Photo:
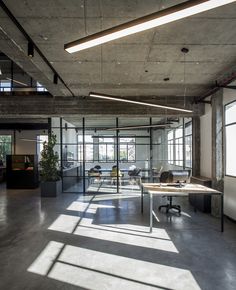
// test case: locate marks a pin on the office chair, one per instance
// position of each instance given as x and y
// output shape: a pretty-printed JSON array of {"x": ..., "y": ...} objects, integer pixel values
[
  {"x": 114, "y": 174},
  {"x": 173, "y": 176},
  {"x": 134, "y": 175}
]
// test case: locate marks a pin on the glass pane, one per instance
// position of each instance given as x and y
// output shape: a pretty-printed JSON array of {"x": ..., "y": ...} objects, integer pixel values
[
  {"x": 188, "y": 129},
  {"x": 170, "y": 135},
  {"x": 5, "y": 147},
  {"x": 179, "y": 132},
  {"x": 230, "y": 113},
  {"x": 40, "y": 141},
  {"x": 230, "y": 150},
  {"x": 188, "y": 151}
]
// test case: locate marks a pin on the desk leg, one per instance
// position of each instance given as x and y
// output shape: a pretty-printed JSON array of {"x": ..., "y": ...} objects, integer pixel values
[
  {"x": 142, "y": 200},
  {"x": 151, "y": 209},
  {"x": 222, "y": 212}
]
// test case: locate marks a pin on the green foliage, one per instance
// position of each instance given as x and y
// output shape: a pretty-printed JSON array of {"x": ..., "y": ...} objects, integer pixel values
[
  {"x": 49, "y": 161},
  {"x": 5, "y": 146}
]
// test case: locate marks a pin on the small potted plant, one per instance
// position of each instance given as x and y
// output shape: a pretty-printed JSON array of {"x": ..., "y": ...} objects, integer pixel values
[{"x": 50, "y": 177}]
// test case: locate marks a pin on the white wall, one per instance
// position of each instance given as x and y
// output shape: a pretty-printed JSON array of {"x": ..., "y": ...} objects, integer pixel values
[
  {"x": 206, "y": 156},
  {"x": 229, "y": 182},
  {"x": 206, "y": 145},
  {"x": 27, "y": 146},
  {"x": 24, "y": 146}
]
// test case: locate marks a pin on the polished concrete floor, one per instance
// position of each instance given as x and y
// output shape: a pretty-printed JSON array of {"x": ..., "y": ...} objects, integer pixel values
[{"x": 102, "y": 242}]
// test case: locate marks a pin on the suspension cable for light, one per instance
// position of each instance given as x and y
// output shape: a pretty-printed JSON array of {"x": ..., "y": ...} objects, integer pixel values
[
  {"x": 159, "y": 18},
  {"x": 107, "y": 97}
]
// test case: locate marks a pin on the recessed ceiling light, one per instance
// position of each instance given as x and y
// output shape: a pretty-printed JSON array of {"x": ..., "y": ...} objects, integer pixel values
[
  {"x": 107, "y": 97},
  {"x": 180, "y": 11}
]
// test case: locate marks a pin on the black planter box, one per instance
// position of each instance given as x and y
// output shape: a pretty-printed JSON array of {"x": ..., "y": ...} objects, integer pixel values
[{"x": 51, "y": 188}]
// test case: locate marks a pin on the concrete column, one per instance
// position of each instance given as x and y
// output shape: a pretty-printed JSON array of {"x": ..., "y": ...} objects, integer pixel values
[
  {"x": 217, "y": 150},
  {"x": 196, "y": 146}
]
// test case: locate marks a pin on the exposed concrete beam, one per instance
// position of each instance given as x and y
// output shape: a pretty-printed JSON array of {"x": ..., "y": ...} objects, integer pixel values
[
  {"x": 44, "y": 106},
  {"x": 14, "y": 45}
]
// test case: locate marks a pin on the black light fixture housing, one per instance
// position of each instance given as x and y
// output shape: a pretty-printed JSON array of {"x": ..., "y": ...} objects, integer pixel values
[
  {"x": 55, "y": 79},
  {"x": 30, "y": 49}
]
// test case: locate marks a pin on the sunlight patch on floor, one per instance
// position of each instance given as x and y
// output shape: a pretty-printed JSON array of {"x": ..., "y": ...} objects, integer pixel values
[
  {"x": 46, "y": 258},
  {"x": 96, "y": 270},
  {"x": 103, "y": 197},
  {"x": 87, "y": 207},
  {"x": 65, "y": 223},
  {"x": 153, "y": 240}
]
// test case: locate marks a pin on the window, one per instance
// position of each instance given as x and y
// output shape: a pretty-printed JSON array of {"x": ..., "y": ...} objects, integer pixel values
[
  {"x": 127, "y": 149},
  {"x": 170, "y": 137},
  {"x": 5, "y": 146},
  {"x": 5, "y": 86},
  {"x": 230, "y": 139},
  {"x": 175, "y": 146},
  {"x": 106, "y": 149},
  {"x": 40, "y": 88},
  {"x": 88, "y": 148},
  {"x": 179, "y": 146},
  {"x": 188, "y": 145},
  {"x": 40, "y": 140}
]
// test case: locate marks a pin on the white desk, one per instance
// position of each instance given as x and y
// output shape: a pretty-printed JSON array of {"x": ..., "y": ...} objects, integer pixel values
[{"x": 166, "y": 189}]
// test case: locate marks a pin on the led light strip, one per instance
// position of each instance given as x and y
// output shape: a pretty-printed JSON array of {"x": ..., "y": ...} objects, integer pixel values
[
  {"x": 106, "y": 97},
  {"x": 17, "y": 82},
  {"x": 140, "y": 127},
  {"x": 159, "y": 18}
]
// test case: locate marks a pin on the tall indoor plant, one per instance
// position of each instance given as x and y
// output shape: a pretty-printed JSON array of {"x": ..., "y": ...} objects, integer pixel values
[{"x": 50, "y": 177}]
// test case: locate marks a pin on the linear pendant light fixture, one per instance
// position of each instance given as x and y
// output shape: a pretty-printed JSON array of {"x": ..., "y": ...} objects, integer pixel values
[
  {"x": 107, "y": 97},
  {"x": 159, "y": 18},
  {"x": 17, "y": 82},
  {"x": 161, "y": 126}
]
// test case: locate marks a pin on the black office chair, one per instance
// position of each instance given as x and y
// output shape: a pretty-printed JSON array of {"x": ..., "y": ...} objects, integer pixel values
[
  {"x": 134, "y": 175},
  {"x": 174, "y": 176}
]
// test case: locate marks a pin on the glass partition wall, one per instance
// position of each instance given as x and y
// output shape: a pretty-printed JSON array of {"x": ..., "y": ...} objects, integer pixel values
[{"x": 110, "y": 155}]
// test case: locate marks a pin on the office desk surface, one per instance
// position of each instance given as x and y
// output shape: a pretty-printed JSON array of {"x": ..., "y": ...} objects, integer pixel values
[{"x": 175, "y": 189}]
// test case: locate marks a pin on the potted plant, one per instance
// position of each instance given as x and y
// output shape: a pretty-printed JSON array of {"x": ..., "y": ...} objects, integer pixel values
[{"x": 50, "y": 177}]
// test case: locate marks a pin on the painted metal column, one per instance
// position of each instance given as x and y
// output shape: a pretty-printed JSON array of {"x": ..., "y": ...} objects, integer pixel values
[
  {"x": 49, "y": 126},
  {"x": 83, "y": 166},
  {"x": 151, "y": 150},
  {"x": 14, "y": 140},
  {"x": 117, "y": 156},
  {"x": 196, "y": 146},
  {"x": 184, "y": 145},
  {"x": 61, "y": 151}
]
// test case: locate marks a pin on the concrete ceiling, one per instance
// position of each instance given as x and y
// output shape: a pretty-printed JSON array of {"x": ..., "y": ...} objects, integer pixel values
[{"x": 132, "y": 66}]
